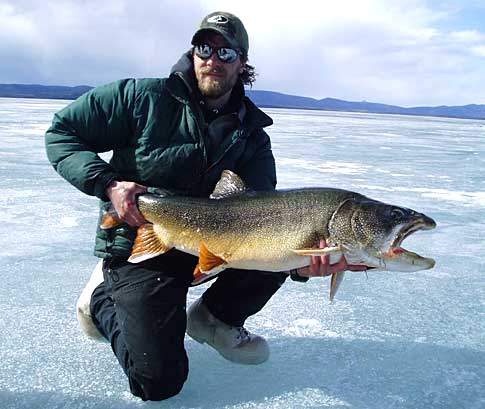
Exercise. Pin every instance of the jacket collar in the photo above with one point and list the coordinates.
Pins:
(182, 85)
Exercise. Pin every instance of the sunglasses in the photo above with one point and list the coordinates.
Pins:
(225, 54)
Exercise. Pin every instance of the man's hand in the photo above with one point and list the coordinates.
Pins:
(320, 265)
(123, 197)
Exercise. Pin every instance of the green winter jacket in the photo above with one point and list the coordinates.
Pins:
(159, 138)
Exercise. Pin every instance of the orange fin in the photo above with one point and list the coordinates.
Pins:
(208, 261)
(316, 251)
(199, 276)
(110, 219)
(147, 244)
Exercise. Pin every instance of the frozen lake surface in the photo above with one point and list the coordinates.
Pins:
(391, 340)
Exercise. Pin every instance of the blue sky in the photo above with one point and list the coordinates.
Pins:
(462, 15)
(404, 52)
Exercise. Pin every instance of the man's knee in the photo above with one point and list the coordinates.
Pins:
(157, 389)
(161, 384)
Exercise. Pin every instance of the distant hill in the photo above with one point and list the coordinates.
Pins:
(268, 99)
(42, 91)
(278, 100)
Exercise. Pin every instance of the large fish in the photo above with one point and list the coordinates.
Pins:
(276, 230)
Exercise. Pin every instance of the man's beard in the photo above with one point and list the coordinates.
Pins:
(215, 87)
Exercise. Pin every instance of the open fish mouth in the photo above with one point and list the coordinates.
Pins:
(394, 257)
(403, 232)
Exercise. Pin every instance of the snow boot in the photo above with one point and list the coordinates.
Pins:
(236, 344)
(83, 304)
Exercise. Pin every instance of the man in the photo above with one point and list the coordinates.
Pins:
(177, 133)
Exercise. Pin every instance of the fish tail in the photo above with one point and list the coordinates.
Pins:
(110, 219)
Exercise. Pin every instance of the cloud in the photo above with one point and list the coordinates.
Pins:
(91, 42)
(393, 52)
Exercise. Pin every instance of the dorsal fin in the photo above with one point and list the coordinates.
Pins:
(229, 184)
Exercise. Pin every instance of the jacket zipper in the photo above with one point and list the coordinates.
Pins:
(238, 140)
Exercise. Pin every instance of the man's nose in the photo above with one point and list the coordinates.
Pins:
(213, 60)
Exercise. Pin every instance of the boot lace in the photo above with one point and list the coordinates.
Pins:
(243, 334)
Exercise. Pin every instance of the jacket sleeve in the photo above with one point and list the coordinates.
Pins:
(98, 121)
(259, 170)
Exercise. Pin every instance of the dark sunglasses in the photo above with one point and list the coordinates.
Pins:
(225, 54)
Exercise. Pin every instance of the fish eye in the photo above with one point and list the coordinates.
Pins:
(397, 213)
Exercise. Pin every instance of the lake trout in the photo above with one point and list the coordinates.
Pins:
(276, 230)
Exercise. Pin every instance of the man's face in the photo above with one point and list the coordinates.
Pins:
(215, 78)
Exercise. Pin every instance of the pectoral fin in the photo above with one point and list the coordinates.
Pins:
(335, 283)
(147, 244)
(317, 252)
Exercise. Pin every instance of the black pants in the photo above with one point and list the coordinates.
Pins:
(140, 309)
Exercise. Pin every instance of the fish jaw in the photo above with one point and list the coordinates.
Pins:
(401, 259)
(407, 261)
(392, 256)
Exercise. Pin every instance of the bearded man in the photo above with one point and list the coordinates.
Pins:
(177, 133)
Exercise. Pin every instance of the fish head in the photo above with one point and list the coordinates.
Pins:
(371, 233)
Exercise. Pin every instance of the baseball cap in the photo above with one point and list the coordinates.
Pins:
(228, 26)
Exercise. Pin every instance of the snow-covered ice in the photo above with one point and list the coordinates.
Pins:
(390, 340)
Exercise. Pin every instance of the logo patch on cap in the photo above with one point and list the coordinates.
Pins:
(219, 19)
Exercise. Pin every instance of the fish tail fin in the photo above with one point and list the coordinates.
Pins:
(110, 219)
(147, 244)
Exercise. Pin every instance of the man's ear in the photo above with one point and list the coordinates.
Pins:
(243, 66)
